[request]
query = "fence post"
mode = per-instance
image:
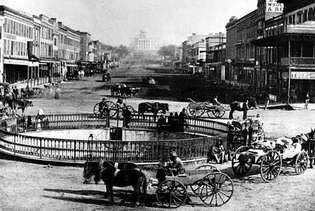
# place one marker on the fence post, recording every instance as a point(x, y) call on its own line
point(40, 148)
point(74, 150)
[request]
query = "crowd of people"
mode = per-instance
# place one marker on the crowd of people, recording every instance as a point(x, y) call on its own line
point(175, 122)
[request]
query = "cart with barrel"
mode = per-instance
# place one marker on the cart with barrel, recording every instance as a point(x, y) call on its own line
point(206, 182)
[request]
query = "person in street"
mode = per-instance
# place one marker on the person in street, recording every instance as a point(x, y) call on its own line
point(215, 101)
point(175, 165)
point(307, 100)
point(217, 153)
point(103, 107)
point(126, 116)
point(182, 120)
point(267, 100)
point(161, 123)
point(245, 109)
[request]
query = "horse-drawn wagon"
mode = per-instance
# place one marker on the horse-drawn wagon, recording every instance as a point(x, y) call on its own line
point(271, 156)
point(123, 90)
point(197, 109)
point(113, 108)
point(206, 182)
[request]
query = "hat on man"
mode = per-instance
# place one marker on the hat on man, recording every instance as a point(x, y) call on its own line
point(173, 154)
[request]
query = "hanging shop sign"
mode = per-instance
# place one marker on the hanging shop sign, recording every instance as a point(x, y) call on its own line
point(303, 75)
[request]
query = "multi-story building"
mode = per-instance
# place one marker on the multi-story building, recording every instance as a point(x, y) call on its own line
point(190, 52)
point(17, 30)
point(47, 63)
point(68, 49)
point(85, 39)
point(289, 44)
point(211, 66)
point(215, 62)
point(142, 43)
point(243, 56)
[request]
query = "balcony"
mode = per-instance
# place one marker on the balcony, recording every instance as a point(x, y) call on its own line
point(299, 61)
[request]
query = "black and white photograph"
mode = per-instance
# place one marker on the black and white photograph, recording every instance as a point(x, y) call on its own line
point(157, 105)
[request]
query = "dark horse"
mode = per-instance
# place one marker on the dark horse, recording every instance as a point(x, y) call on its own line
point(119, 175)
point(242, 106)
point(152, 107)
point(309, 146)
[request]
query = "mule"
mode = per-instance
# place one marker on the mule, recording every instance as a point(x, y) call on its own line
point(242, 106)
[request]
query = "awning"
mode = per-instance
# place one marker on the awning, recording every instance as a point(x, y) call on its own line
point(282, 39)
point(20, 62)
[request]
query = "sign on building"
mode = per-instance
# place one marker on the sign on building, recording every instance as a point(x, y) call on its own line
point(303, 75)
point(273, 6)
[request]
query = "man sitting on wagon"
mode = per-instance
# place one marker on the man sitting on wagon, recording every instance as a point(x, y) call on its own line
point(215, 101)
point(176, 165)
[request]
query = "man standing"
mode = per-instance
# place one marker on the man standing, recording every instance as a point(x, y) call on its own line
point(307, 100)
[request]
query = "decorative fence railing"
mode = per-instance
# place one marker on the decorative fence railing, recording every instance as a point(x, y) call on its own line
point(135, 151)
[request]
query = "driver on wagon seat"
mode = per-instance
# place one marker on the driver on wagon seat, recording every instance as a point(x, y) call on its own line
point(176, 165)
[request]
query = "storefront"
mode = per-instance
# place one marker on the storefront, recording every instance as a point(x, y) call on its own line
point(18, 70)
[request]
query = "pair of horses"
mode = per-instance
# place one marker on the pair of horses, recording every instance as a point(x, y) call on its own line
point(116, 174)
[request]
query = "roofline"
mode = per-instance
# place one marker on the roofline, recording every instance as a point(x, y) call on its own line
point(241, 19)
point(5, 8)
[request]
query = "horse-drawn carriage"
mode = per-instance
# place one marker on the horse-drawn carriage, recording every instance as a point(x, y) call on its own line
point(271, 156)
point(206, 182)
point(123, 90)
point(114, 109)
point(197, 109)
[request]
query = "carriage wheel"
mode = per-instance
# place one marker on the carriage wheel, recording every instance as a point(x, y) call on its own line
point(301, 163)
point(112, 108)
point(216, 190)
point(131, 109)
point(270, 166)
point(171, 194)
point(217, 112)
point(241, 162)
point(195, 110)
point(207, 167)
point(96, 110)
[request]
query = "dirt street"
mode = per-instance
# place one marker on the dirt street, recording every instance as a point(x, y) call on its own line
point(26, 186)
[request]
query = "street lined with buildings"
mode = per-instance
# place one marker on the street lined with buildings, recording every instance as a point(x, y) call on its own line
point(270, 49)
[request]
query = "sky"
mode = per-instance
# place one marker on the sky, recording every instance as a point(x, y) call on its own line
point(116, 22)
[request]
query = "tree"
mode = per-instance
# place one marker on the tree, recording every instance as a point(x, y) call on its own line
point(122, 51)
point(167, 51)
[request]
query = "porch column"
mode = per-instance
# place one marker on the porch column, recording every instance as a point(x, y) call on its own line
point(289, 78)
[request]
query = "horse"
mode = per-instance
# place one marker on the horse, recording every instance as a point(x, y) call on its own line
point(242, 106)
point(152, 107)
point(22, 104)
point(94, 169)
point(119, 175)
point(309, 145)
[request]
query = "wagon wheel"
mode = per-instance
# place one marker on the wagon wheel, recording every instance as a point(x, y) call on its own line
point(195, 110)
point(241, 162)
point(113, 109)
point(301, 163)
point(171, 194)
point(216, 190)
point(96, 109)
point(207, 167)
point(270, 166)
point(218, 112)
point(131, 109)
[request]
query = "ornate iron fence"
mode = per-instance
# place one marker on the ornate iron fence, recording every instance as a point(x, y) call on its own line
point(135, 151)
